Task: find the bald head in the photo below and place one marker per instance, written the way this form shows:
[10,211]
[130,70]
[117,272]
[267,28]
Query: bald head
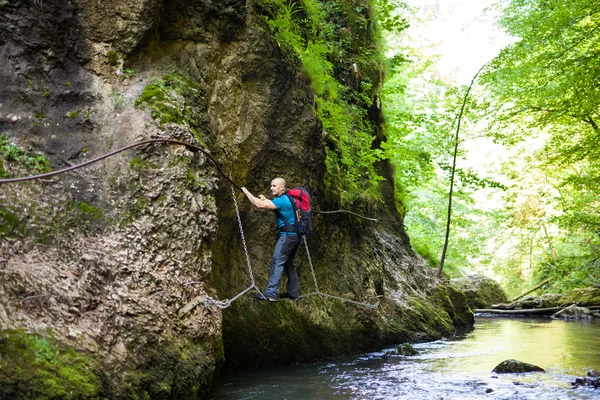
[278,186]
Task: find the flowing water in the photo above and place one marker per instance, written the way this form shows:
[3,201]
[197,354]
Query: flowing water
[456,368]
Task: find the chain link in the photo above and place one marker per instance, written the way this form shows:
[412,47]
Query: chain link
[311,264]
[222,304]
[318,292]
[237,212]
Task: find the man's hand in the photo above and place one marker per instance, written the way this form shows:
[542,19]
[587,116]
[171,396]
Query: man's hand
[259,202]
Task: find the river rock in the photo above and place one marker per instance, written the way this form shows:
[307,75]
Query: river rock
[515,367]
[480,290]
[574,312]
[405,349]
[592,380]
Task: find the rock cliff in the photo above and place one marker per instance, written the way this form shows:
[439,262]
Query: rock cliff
[98,265]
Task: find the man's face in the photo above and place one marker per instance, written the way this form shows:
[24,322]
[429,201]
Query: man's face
[277,188]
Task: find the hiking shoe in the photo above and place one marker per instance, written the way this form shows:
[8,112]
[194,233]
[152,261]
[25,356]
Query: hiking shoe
[259,296]
[286,295]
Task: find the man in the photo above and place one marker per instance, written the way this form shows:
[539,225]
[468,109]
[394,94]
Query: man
[287,242]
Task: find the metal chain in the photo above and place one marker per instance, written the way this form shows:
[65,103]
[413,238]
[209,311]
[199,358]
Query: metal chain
[237,212]
[209,300]
[222,304]
[318,292]
[311,264]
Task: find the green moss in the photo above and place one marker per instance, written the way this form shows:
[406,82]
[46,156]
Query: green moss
[36,367]
[73,114]
[167,372]
[141,203]
[40,116]
[94,212]
[47,93]
[112,57]
[9,223]
[173,99]
[138,164]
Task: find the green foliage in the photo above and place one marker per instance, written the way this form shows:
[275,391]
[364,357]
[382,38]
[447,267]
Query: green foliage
[173,99]
[545,91]
[117,99]
[335,43]
[35,367]
[12,155]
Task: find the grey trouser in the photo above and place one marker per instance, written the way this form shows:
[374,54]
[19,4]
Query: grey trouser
[283,259]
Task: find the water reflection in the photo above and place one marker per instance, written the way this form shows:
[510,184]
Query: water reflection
[459,368]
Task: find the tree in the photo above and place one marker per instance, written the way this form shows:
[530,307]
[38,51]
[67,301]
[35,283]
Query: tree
[547,84]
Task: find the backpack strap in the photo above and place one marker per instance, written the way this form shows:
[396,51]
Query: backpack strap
[288,227]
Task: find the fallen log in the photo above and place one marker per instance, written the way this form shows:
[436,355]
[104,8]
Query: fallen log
[528,311]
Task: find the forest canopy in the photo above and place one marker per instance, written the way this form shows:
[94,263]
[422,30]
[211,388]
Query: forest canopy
[539,102]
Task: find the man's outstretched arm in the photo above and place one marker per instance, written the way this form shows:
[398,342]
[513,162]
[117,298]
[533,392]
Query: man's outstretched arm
[260,202]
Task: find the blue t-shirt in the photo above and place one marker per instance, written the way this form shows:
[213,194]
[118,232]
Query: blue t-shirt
[285,208]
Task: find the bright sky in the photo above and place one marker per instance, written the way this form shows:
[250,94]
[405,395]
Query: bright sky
[463,35]
[463,32]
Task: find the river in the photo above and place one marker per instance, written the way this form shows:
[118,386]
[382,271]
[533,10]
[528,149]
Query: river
[454,368]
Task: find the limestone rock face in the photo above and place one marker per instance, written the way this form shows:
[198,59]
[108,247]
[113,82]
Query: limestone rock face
[105,259]
[480,290]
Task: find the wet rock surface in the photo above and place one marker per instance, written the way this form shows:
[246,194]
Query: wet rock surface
[515,367]
[592,380]
[406,349]
[574,312]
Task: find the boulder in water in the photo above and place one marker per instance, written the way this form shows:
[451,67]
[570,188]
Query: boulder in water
[515,367]
[592,380]
[406,349]
[574,312]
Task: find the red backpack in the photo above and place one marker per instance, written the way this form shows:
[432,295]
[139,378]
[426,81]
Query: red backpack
[302,210]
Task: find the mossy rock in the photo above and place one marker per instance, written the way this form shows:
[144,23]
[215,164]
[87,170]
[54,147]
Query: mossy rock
[37,367]
[480,290]
[175,99]
[515,367]
[406,349]
[582,297]
[574,312]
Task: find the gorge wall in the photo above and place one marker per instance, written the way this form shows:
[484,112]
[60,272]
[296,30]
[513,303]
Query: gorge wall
[96,265]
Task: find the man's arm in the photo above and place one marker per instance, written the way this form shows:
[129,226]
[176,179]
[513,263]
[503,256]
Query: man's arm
[260,202]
